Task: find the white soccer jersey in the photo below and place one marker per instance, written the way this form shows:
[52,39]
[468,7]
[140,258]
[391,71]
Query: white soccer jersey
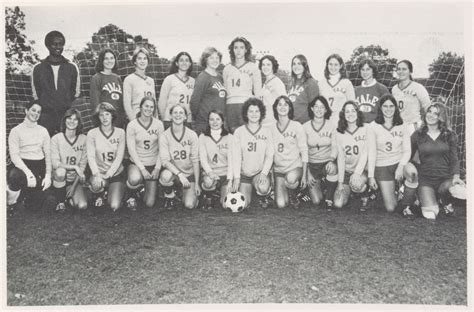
[254,152]
[217,156]
[389,144]
[181,152]
[241,82]
[135,88]
[271,89]
[175,91]
[354,146]
[146,141]
[289,146]
[337,94]
[102,149]
[411,100]
[69,153]
[321,142]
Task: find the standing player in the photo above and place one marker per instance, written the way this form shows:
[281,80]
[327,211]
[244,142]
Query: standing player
[389,155]
[322,153]
[216,147]
[105,150]
[254,153]
[439,163]
[209,92]
[291,153]
[303,88]
[352,156]
[412,98]
[138,84]
[69,161]
[177,87]
[242,79]
[370,90]
[336,88]
[55,83]
[142,144]
[179,153]
[106,86]
[29,147]
[272,88]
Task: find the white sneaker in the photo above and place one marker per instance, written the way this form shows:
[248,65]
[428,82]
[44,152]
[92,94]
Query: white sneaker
[12,197]
[132,204]
[429,215]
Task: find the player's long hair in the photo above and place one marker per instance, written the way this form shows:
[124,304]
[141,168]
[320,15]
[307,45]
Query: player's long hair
[144,99]
[291,112]
[272,60]
[380,118]
[443,121]
[205,55]
[342,124]
[339,59]
[371,64]
[104,106]
[325,102]
[99,66]
[306,71]
[224,131]
[248,48]
[409,65]
[253,101]
[69,113]
[174,63]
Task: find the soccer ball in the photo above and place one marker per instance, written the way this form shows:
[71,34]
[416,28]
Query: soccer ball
[235,202]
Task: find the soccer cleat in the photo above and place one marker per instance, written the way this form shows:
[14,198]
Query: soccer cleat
[328,204]
[169,203]
[132,204]
[302,196]
[99,202]
[207,203]
[61,207]
[364,201]
[448,209]
[407,212]
[265,202]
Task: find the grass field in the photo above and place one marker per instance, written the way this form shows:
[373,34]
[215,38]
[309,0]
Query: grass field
[309,255]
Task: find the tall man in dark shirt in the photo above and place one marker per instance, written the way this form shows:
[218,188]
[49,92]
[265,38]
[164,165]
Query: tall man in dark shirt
[55,83]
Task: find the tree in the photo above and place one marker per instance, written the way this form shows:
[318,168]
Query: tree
[19,52]
[380,56]
[446,75]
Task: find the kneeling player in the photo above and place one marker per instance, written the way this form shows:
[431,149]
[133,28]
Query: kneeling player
[69,160]
[142,144]
[216,147]
[180,158]
[389,155]
[254,153]
[352,156]
[291,153]
[105,150]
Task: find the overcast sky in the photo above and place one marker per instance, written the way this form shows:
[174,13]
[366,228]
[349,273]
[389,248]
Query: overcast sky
[418,32]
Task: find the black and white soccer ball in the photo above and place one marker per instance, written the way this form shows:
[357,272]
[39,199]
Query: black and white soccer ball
[235,202]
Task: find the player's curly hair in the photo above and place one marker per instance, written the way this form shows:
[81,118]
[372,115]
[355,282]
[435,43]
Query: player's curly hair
[339,59]
[272,59]
[70,112]
[256,102]
[248,48]
[205,55]
[174,66]
[99,66]
[380,119]
[291,112]
[224,130]
[342,124]
[325,102]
